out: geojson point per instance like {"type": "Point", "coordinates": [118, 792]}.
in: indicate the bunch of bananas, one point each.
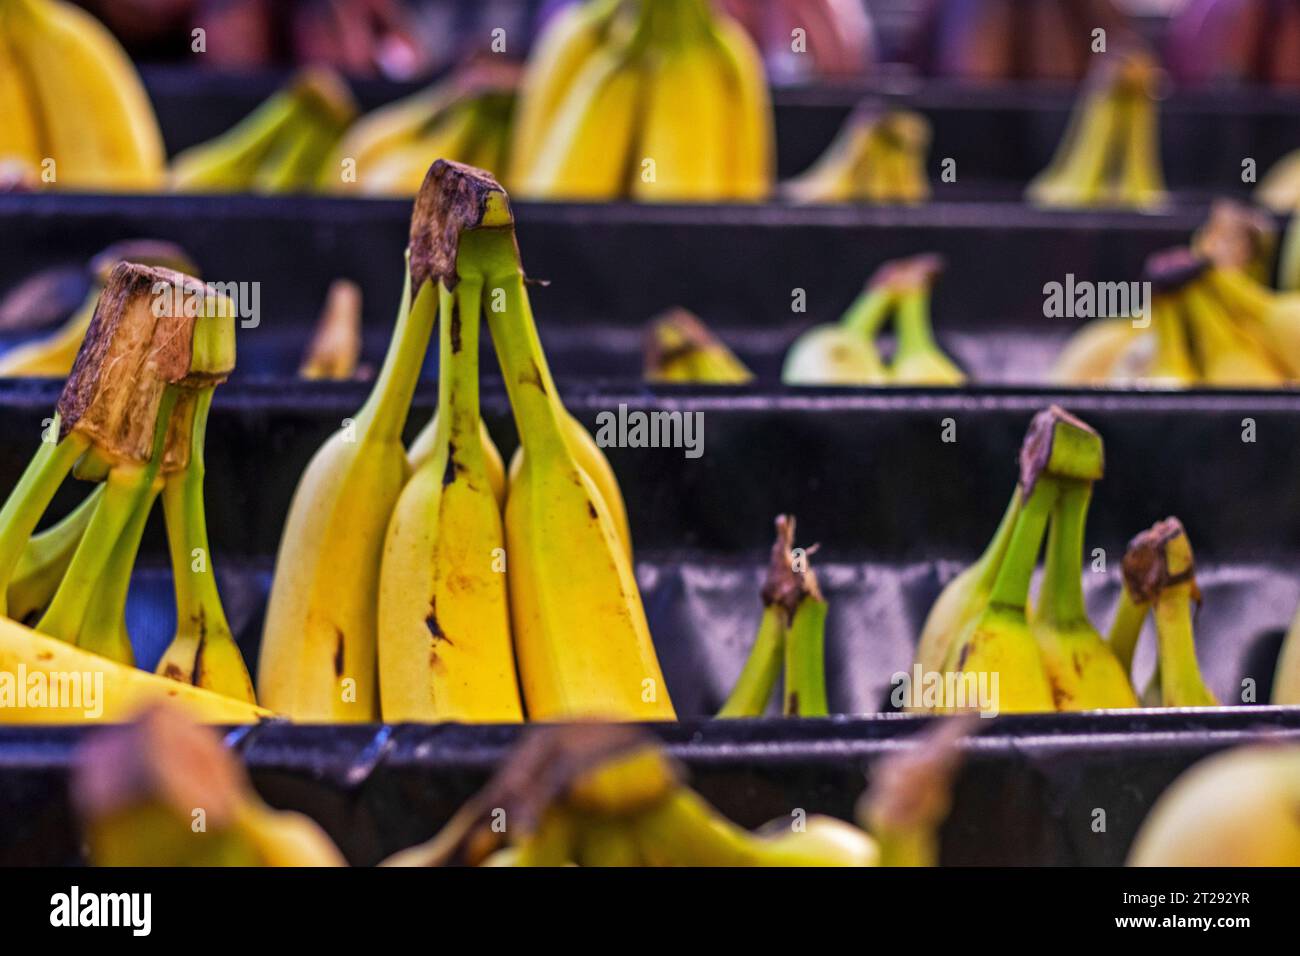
{"type": "Point", "coordinates": [1110, 153]}
{"type": "Point", "coordinates": [604, 795]}
{"type": "Point", "coordinates": [135, 789]}
{"type": "Point", "coordinates": [679, 348]}
{"type": "Point", "coordinates": [878, 156]}
{"type": "Point", "coordinates": [1159, 578]}
{"type": "Point", "coordinates": [75, 115]}
{"type": "Point", "coordinates": [52, 355]}
{"type": "Point", "coordinates": [980, 625]}
{"type": "Point", "coordinates": [657, 100]}
{"type": "Point", "coordinates": [131, 418]}
{"type": "Point", "coordinates": [390, 593]}
{"type": "Point", "coordinates": [282, 146]}
{"type": "Point", "coordinates": [465, 118]}
{"type": "Point", "coordinates": [845, 353]}
{"type": "Point", "coordinates": [1209, 325]}
{"type": "Point", "coordinates": [792, 629]}
{"type": "Point", "coordinates": [1236, 808]}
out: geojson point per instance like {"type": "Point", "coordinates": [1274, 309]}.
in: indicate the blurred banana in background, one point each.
{"type": "Point", "coordinates": [660, 101]}
{"type": "Point", "coordinates": [75, 114]}
{"type": "Point", "coordinates": [877, 156]}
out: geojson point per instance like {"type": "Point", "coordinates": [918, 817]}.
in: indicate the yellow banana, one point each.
{"type": "Point", "coordinates": [125, 689]}
{"type": "Point", "coordinates": [20, 133]}
{"type": "Point", "coordinates": [445, 650]}
{"type": "Point", "coordinates": [99, 127]}
{"type": "Point", "coordinates": [681, 348]}
{"type": "Point", "coordinates": [1286, 680]}
{"type": "Point", "coordinates": [318, 657]}
{"type": "Point", "coordinates": [1279, 190]}
{"type": "Point", "coordinates": [581, 637]}
{"type": "Point", "coordinates": [751, 138]}
{"type": "Point", "coordinates": [421, 450]}
{"type": "Point", "coordinates": [1275, 317]}
{"type": "Point", "coordinates": [558, 55]}
{"type": "Point", "coordinates": [1227, 356]}
{"type": "Point", "coordinates": [1091, 353]}
{"type": "Point", "coordinates": [682, 154]}
{"type": "Point", "coordinates": [335, 346]}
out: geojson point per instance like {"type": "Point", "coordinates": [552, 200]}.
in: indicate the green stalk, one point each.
{"type": "Point", "coordinates": [125, 488]}
{"type": "Point", "coordinates": [32, 495]}
{"type": "Point", "coordinates": [1060, 601]}
{"type": "Point", "coordinates": [45, 560]}
{"type": "Point", "coordinates": [458, 385]}
{"type": "Point", "coordinates": [915, 336]}
{"type": "Point", "coordinates": [867, 312]}
{"type": "Point", "coordinates": [805, 665]}
{"type": "Point", "coordinates": [383, 416]}
{"type": "Point", "coordinates": [1126, 628]}
{"type": "Point", "coordinates": [103, 629]}
{"type": "Point", "coordinates": [1181, 684]}
{"type": "Point", "coordinates": [758, 677]}
{"type": "Point", "coordinates": [1011, 586]}
{"type": "Point", "coordinates": [198, 603]}
{"type": "Point", "coordinates": [991, 560]}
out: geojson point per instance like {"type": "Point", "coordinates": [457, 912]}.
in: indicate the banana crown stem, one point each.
{"type": "Point", "coordinates": [1011, 586]}
{"type": "Point", "coordinates": [915, 335]}
{"type": "Point", "coordinates": [867, 313]}
{"type": "Point", "coordinates": [1061, 598]}
{"type": "Point", "coordinates": [991, 560]}
{"type": "Point", "coordinates": [383, 415]}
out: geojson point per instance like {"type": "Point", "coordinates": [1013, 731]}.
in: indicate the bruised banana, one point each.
{"type": "Point", "coordinates": [445, 650]}
{"type": "Point", "coordinates": [681, 348]}
{"type": "Point", "coordinates": [581, 638]}
{"type": "Point", "coordinates": [319, 659]}
{"type": "Point", "coordinates": [135, 789]}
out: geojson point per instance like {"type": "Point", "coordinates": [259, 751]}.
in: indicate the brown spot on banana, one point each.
{"type": "Point", "coordinates": [338, 652]}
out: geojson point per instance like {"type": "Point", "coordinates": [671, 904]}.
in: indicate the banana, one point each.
{"type": "Point", "coordinates": [781, 593]}
{"type": "Point", "coordinates": [686, 113]}
{"type": "Point", "coordinates": [1235, 808]}
{"type": "Point", "coordinates": [125, 689]}
{"type": "Point", "coordinates": [918, 360]}
{"type": "Point", "coordinates": [1227, 356]}
{"type": "Point", "coordinates": [1127, 622]}
{"type": "Point", "coordinates": [1286, 680]}
{"type": "Point", "coordinates": [1141, 182]}
{"type": "Point", "coordinates": [1279, 190]}
{"type": "Point", "coordinates": [318, 656]}
{"type": "Point", "coordinates": [1000, 641]}
{"type": "Point", "coordinates": [45, 560]}
{"type": "Point", "coordinates": [681, 348]}
{"type": "Point", "coordinates": [1174, 589]}
{"type": "Point", "coordinates": [588, 149]}
{"type": "Point", "coordinates": [1091, 354]}
{"type": "Point", "coordinates": [832, 355]}
{"type": "Point", "coordinates": [230, 161]}
{"type": "Point", "coordinates": [421, 450]}
{"type": "Point", "coordinates": [335, 346]}
{"type": "Point", "coordinates": [20, 134]}
{"type": "Point", "coordinates": [96, 120]}
{"type": "Point", "coordinates": [805, 641]}
{"type": "Point", "coordinates": [581, 638]}
{"type": "Point", "coordinates": [135, 788]}
{"type": "Point", "coordinates": [568, 42]}
{"type": "Point", "coordinates": [875, 157]}
{"type": "Point", "coordinates": [965, 597]}
{"type": "Point", "coordinates": [1083, 671]}
{"type": "Point", "coordinates": [445, 649]}
{"type": "Point", "coordinates": [203, 651]}
{"type": "Point", "coordinates": [1273, 317]}
{"type": "Point", "coordinates": [751, 140]}
{"type": "Point", "coordinates": [1075, 175]}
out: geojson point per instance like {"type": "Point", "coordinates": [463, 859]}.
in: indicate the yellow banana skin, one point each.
{"type": "Point", "coordinates": [1286, 682]}
{"type": "Point", "coordinates": [318, 658]}
{"type": "Point", "coordinates": [445, 649]}
{"type": "Point", "coordinates": [421, 450]}
{"type": "Point", "coordinates": [126, 689]}
{"type": "Point", "coordinates": [1232, 809]}
{"type": "Point", "coordinates": [586, 153]}
{"type": "Point", "coordinates": [98, 125]}
{"type": "Point", "coordinates": [1092, 352]}
{"type": "Point", "coordinates": [565, 46]}
{"type": "Point", "coordinates": [20, 134]}
{"type": "Point", "coordinates": [751, 157]}
{"type": "Point", "coordinates": [1083, 671]}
